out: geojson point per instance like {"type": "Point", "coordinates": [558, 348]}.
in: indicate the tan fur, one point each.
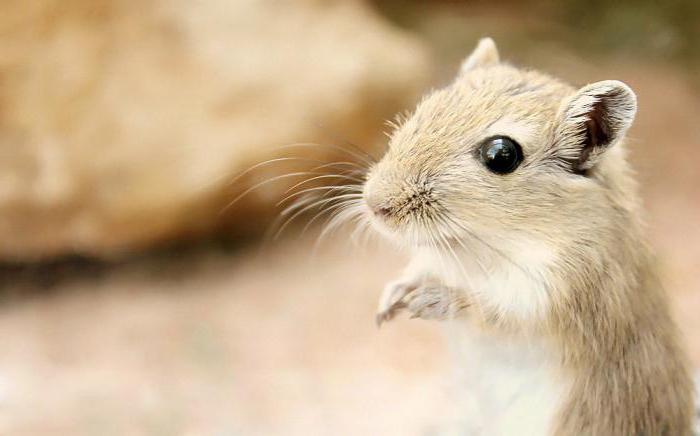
{"type": "Point", "coordinates": [601, 301]}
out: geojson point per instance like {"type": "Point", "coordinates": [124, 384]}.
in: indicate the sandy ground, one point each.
{"type": "Point", "coordinates": [274, 343]}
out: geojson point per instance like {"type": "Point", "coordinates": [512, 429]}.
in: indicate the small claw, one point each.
{"type": "Point", "coordinates": [389, 313]}
{"type": "Point", "coordinates": [379, 319]}
{"type": "Point", "coordinates": [383, 317]}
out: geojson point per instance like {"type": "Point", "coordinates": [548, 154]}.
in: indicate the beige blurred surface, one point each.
{"type": "Point", "coordinates": [123, 124]}
{"type": "Point", "coordinates": [280, 342]}
{"type": "Point", "coordinates": [212, 340]}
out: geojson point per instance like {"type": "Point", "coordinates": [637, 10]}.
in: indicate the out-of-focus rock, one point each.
{"type": "Point", "coordinates": [122, 124]}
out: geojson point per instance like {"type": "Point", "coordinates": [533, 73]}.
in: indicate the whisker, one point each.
{"type": "Point", "coordinates": [448, 246]}
{"type": "Point", "coordinates": [331, 209]}
{"type": "Point", "coordinates": [434, 244]}
{"type": "Point", "coordinates": [476, 258]}
{"type": "Point", "coordinates": [446, 222]}
{"type": "Point", "coordinates": [311, 206]}
{"type": "Point", "coordinates": [264, 182]}
{"type": "Point", "coordinates": [365, 160]}
{"type": "Point", "coordinates": [369, 155]}
{"type": "Point", "coordinates": [345, 141]}
{"type": "Point", "coordinates": [360, 170]}
{"type": "Point", "coordinates": [323, 176]}
{"type": "Point", "coordinates": [495, 250]}
{"type": "Point", "coordinates": [301, 202]}
{"type": "Point", "coordinates": [329, 188]}
{"type": "Point", "coordinates": [449, 222]}
{"type": "Point", "coordinates": [363, 224]}
{"type": "Point", "coordinates": [338, 219]}
{"type": "Point", "coordinates": [271, 161]}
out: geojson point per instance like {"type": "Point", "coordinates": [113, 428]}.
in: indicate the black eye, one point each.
{"type": "Point", "coordinates": [501, 154]}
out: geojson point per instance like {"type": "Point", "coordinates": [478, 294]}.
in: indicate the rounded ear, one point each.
{"type": "Point", "coordinates": [593, 120]}
{"type": "Point", "coordinates": [483, 55]}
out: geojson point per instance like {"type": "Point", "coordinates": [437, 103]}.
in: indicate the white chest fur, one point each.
{"type": "Point", "coordinates": [505, 385]}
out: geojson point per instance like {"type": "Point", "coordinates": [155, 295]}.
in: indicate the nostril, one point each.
{"type": "Point", "coordinates": [382, 210]}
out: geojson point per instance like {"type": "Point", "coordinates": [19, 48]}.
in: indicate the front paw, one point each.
{"type": "Point", "coordinates": [435, 303]}
{"type": "Point", "coordinates": [391, 301]}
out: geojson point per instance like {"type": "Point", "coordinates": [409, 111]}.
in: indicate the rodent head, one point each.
{"type": "Point", "coordinates": [501, 153]}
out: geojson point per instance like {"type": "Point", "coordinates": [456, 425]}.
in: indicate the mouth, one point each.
{"type": "Point", "coordinates": [379, 219]}
{"type": "Point", "coordinates": [409, 232]}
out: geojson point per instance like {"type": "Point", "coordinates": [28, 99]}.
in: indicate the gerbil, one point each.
{"type": "Point", "coordinates": [512, 191]}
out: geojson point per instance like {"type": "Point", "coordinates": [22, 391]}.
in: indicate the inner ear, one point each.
{"type": "Point", "coordinates": [596, 117]}
{"type": "Point", "coordinates": [597, 131]}
{"type": "Point", "coordinates": [597, 127]}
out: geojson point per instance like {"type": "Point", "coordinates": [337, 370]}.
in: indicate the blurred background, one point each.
{"type": "Point", "coordinates": [135, 298]}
